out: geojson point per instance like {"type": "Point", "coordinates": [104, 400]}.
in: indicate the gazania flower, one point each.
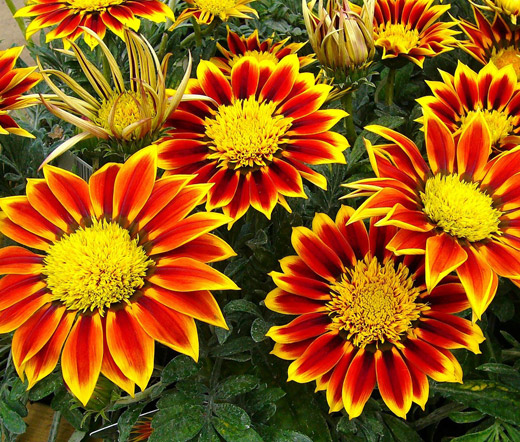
{"type": "Point", "coordinates": [365, 317]}
{"type": "Point", "coordinates": [460, 210]}
{"type": "Point", "coordinates": [253, 143]}
{"type": "Point", "coordinates": [128, 117]}
{"type": "Point", "coordinates": [142, 430]}
{"type": "Point", "coordinates": [205, 11]}
{"type": "Point", "coordinates": [240, 46]}
{"type": "Point", "coordinates": [495, 42]}
{"type": "Point", "coordinates": [410, 29]}
{"type": "Point", "coordinates": [120, 264]}
{"type": "Point", "coordinates": [505, 7]}
{"type": "Point", "coordinates": [71, 16]}
{"type": "Point", "coordinates": [13, 83]}
{"type": "Point", "coordinates": [492, 92]}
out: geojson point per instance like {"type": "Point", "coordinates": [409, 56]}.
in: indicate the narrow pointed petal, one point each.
{"type": "Point", "coordinates": [335, 385]}
{"type": "Point", "coordinates": [15, 288]}
{"type": "Point", "coordinates": [359, 383]}
{"type": "Point", "coordinates": [473, 149]}
{"type": "Point", "coordinates": [443, 255]}
{"type": "Point", "coordinates": [110, 369]}
{"type": "Point", "coordinates": [280, 301]}
{"type": "Point", "coordinates": [439, 145]}
{"type": "Point", "coordinates": [101, 188]}
{"type": "Point", "coordinates": [300, 329]}
{"type": "Point", "coordinates": [420, 384]}
{"type": "Point", "coordinates": [17, 314]}
{"type": "Point", "coordinates": [291, 351]}
{"type": "Point", "coordinates": [206, 248]}
{"type": "Point", "coordinates": [19, 261]}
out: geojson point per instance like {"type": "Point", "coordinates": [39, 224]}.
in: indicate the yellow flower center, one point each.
{"type": "Point", "coordinates": [259, 55]}
{"type": "Point", "coordinates": [120, 111]}
{"type": "Point", "coordinates": [398, 36]}
{"type": "Point", "coordinates": [460, 208]}
{"type": "Point", "coordinates": [500, 124]}
{"type": "Point", "coordinates": [507, 56]}
{"type": "Point", "coordinates": [94, 5]}
{"type": "Point", "coordinates": [95, 267]}
{"type": "Point", "coordinates": [374, 303]}
{"type": "Point", "coordinates": [246, 133]}
{"type": "Point", "coordinates": [215, 7]}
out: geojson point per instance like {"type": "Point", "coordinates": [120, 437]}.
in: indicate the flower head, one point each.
{"type": "Point", "coordinates": [205, 11]}
{"type": "Point", "coordinates": [492, 92]}
{"type": "Point", "coordinates": [496, 42]}
{"type": "Point", "coordinates": [254, 140]}
{"type": "Point", "coordinates": [72, 16]}
{"type": "Point", "coordinates": [459, 209]}
{"type": "Point", "coordinates": [129, 116]}
{"type": "Point", "coordinates": [410, 29]}
{"type": "Point", "coordinates": [364, 316]}
{"type": "Point", "coordinates": [142, 430]}
{"type": "Point", "coordinates": [240, 46]}
{"type": "Point", "coordinates": [341, 38]}
{"type": "Point", "coordinates": [120, 265]}
{"type": "Point", "coordinates": [505, 7]}
{"type": "Point", "coordinates": [13, 83]}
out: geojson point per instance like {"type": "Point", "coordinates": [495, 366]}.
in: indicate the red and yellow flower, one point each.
{"type": "Point", "coordinates": [205, 11]}
{"type": "Point", "coordinates": [240, 46]}
{"type": "Point", "coordinates": [364, 316]}
{"type": "Point", "coordinates": [120, 264]}
{"type": "Point", "coordinates": [505, 7]}
{"type": "Point", "coordinates": [410, 29]}
{"type": "Point", "coordinates": [255, 140]}
{"type": "Point", "coordinates": [71, 15]}
{"type": "Point", "coordinates": [496, 42]}
{"type": "Point", "coordinates": [492, 92]}
{"type": "Point", "coordinates": [13, 83]}
{"type": "Point", "coordinates": [460, 208]}
{"type": "Point", "coordinates": [142, 430]}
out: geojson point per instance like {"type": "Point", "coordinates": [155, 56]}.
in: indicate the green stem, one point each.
{"type": "Point", "coordinates": [438, 415]}
{"type": "Point", "coordinates": [196, 30]}
{"type": "Point", "coordinates": [19, 20]}
{"type": "Point", "coordinates": [138, 396]}
{"type": "Point", "coordinates": [390, 82]}
{"type": "Point", "coordinates": [164, 39]}
{"type": "Point", "coordinates": [349, 120]}
{"type": "Point", "coordinates": [53, 433]}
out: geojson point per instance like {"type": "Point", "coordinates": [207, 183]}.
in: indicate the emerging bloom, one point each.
{"type": "Point", "coordinates": [410, 29]}
{"type": "Point", "coordinates": [205, 11]}
{"type": "Point", "coordinates": [13, 83]}
{"type": "Point", "coordinates": [71, 16]}
{"type": "Point", "coordinates": [460, 210]}
{"type": "Point", "coordinates": [505, 7]}
{"type": "Point", "coordinates": [142, 430]}
{"type": "Point", "coordinates": [495, 42]}
{"type": "Point", "coordinates": [253, 142]}
{"type": "Point", "coordinates": [494, 93]}
{"type": "Point", "coordinates": [128, 116]}
{"type": "Point", "coordinates": [341, 38]}
{"type": "Point", "coordinates": [120, 265]}
{"type": "Point", "coordinates": [365, 316]}
{"type": "Point", "coordinates": [240, 46]}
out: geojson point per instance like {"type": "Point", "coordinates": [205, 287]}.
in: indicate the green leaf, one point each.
{"type": "Point", "coordinates": [243, 306]}
{"type": "Point", "coordinates": [258, 329]}
{"type": "Point", "coordinates": [77, 436]}
{"type": "Point", "coordinates": [232, 347]}
{"type": "Point", "coordinates": [62, 401]}
{"type": "Point", "coordinates": [235, 385]}
{"type": "Point", "coordinates": [179, 368]}
{"type": "Point", "coordinates": [233, 424]}
{"type": "Point", "coordinates": [480, 436]}
{"type": "Point", "coordinates": [514, 432]}
{"type": "Point", "coordinates": [499, 369]}
{"type": "Point", "coordinates": [489, 397]}
{"type": "Point", "coordinates": [270, 434]}
{"type": "Point", "coordinates": [208, 434]}
{"type": "Point", "coordinates": [466, 417]}
{"type": "Point", "coordinates": [400, 430]}
{"type": "Point", "coordinates": [12, 420]}
{"type": "Point", "coordinates": [127, 420]}
{"type": "Point", "coordinates": [45, 387]}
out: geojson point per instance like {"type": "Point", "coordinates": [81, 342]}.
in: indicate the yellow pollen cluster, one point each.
{"type": "Point", "coordinates": [374, 303]}
{"type": "Point", "coordinates": [246, 133]}
{"type": "Point", "coordinates": [505, 57]}
{"type": "Point", "coordinates": [259, 55]}
{"type": "Point", "coordinates": [398, 36]}
{"type": "Point", "coordinates": [95, 267]}
{"type": "Point", "coordinates": [500, 124]}
{"type": "Point", "coordinates": [120, 111]}
{"type": "Point", "coordinates": [460, 208]}
{"type": "Point", "coordinates": [93, 5]}
{"type": "Point", "coordinates": [215, 7]}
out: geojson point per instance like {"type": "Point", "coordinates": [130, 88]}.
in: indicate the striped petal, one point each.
{"type": "Point", "coordinates": [300, 329]}
{"type": "Point", "coordinates": [360, 381]}
{"type": "Point", "coordinates": [443, 255]}
{"type": "Point", "coordinates": [19, 261]}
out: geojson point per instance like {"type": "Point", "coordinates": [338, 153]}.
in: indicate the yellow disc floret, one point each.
{"type": "Point", "coordinates": [246, 133]}
{"type": "Point", "coordinates": [216, 7]}
{"type": "Point", "coordinates": [460, 208]}
{"type": "Point", "coordinates": [505, 57]}
{"type": "Point", "coordinates": [397, 35]}
{"type": "Point", "coordinates": [374, 303]}
{"type": "Point", "coordinates": [94, 5]}
{"type": "Point", "coordinates": [95, 267]}
{"type": "Point", "coordinates": [500, 124]}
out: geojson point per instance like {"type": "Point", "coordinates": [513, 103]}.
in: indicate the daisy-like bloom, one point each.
{"type": "Point", "coordinates": [13, 83]}
{"type": "Point", "coordinates": [254, 141]}
{"type": "Point", "coordinates": [71, 16]}
{"type": "Point", "coordinates": [495, 42]}
{"type": "Point", "coordinates": [491, 92]}
{"type": "Point", "coordinates": [505, 7]}
{"type": "Point", "coordinates": [142, 430]}
{"type": "Point", "coordinates": [120, 264]}
{"type": "Point", "coordinates": [129, 116]}
{"type": "Point", "coordinates": [240, 46]}
{"type": "Point", "coordinates": [365, 317]}
{"type": "Point", "coordinates": [205, 11]}
{"type": "Point", "coordinates": [410, 29]}
{"type": "Point", "coordinates": [460, 209]}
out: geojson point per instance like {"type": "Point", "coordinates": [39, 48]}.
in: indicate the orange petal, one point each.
{"type": "Point", "coordinates": [439, 145]}
{"type": "Point", "coordinates": [20, 235]}
{"type": "Point", "coordinates": [167, 326]}
{"type": "Point", "coordinates": [503, 259]}
{"type": "Point", "coordinates": [473, 149]}
{"type": "Point", "coordinates": [244, 77]}
{"type": "Point", "coordinates": [206, 248]}
{"type": "Point", "coordinates": [448, 298]}
{"type": "Point", "coordinates": [281, 81]}
{"type": "Point", "coordinates": [101, 188]}
{"type": "Point", "coordinates": [82, 356]}
{"type": "Point", "coordinates": [335, 385]}
{"type": "Point", "coordinates": [301, 286]}
{"type": "Point", "coordinates": [280, 301]}
{"type": "Point", "coordinates": [355, 232]}
{"type": "Point", "coordinates": [443, 255]}
{"type": "Point", "coordinates": [263, 194]}
{"type": "Point", "coordinates": [222, 193]}
{"type": "Point", "coordinates": [407, 242]}
{"type": "Point", "coordinates": [404, 218]}
{"type": "Point", "coordinates": [130, 346]}
{"type": "Point", "coordinates": [359, 383]}
{"type": "Point", "coordinates": [14, 316]}
{"type": "Point", "coordinates": [15, 288]}
{"type": "Point", "coordinates": [420, 384]}
{"type": "Point", "coordinates": [291, 350]}
{"type": "Point", "coordinates": [19, 261]}
{"type": "Point", "coordinates": [214, 83]}
{"type": "Point", "coordinates": [331, 235]}
{"type": "Point", "coordinates": [299, 329]}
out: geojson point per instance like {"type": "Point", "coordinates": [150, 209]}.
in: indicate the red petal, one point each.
{"type": "Point", "coordinates": [473, 149]}
{"type": "Point", "coordinates": [19, 261]}
{"type": "Point", "coordinates": [439, 145]}
{"type": "Point", "coordinates": [300, 329]}
{"type": "Point", "coordinates": [280, 301]}
{"type": "Point", "coordinates": [244, 77]}
{"type": "Point", "coordinates": [443, 255]}
{"type": "Point", "coordinates": [359, 383]}
{"type": "Point", "coordinates": [335, 385]}
{"type": "Point", "coordinates": [101, 188]}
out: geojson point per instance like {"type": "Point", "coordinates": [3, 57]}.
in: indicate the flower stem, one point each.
{"type": "Point", "coordinates": [53, 433]}
{"type": "Point", "coordinates": [19, 20]}
{"type": "Point", "coordinates": [390, 82]}
{"type": "Point", "coordinates": [164, 39]}
{"type": "Point", "coordinates": [349, 120]}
